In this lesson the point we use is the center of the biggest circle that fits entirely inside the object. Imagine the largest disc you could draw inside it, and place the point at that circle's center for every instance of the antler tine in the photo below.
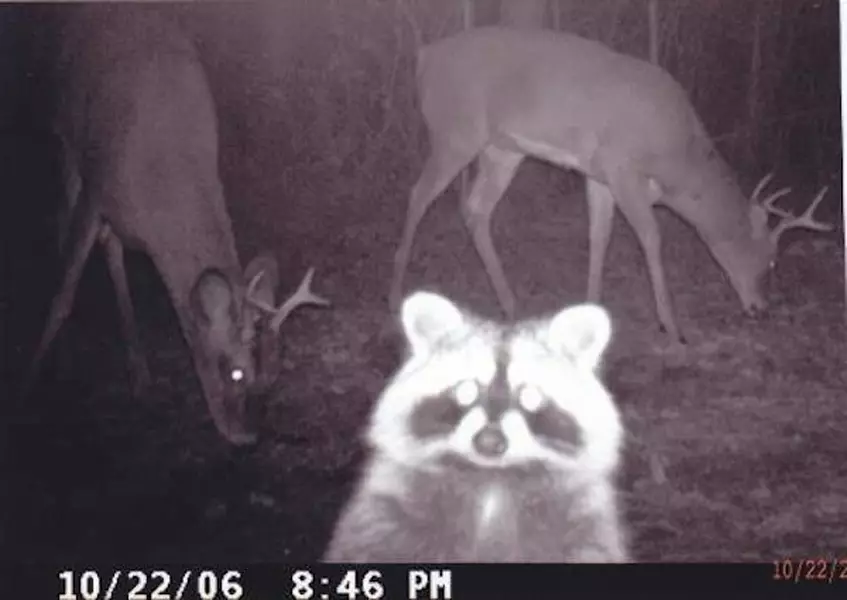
(303, 295)
(760, 186)
(768, 203)
(251, 287)
(250, 296)
(805, 220)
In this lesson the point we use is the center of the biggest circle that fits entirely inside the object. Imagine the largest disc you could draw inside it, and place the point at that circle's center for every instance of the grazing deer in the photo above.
(499, 95)
(139, 135)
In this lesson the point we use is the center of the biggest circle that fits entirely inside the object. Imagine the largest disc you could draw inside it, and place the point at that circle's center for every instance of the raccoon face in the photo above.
(484, 395)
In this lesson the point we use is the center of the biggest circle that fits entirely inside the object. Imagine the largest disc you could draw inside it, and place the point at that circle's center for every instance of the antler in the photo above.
(805, 220)
(789, 220)
(768, 202)
(303, 295)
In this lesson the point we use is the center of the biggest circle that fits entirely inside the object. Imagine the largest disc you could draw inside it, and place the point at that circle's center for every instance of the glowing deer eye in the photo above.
(466, 393)
(237, 375)
(531, 399)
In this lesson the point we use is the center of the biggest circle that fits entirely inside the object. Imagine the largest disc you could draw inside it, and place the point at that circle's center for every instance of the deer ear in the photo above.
(581, 333)
(266, 267)
(211, 300)
(427, 318)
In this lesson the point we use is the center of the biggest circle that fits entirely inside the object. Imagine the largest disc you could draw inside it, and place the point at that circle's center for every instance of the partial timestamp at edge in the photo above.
(152, 584)
(821, 570)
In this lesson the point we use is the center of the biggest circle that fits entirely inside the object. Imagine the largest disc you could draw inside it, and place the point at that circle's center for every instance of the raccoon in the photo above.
(493, 443)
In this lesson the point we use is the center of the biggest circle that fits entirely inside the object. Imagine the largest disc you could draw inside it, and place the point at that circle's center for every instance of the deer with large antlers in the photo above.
(498, 95)
(139, 133)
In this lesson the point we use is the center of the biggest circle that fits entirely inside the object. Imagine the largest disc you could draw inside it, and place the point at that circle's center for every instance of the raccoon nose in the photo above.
(490, 441)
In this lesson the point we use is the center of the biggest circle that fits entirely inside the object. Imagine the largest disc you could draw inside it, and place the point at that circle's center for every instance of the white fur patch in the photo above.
(467, 392)
(556, 155)
(462, 438)
(531, 398)
(582, 332)
(427, 318)
(490, 505)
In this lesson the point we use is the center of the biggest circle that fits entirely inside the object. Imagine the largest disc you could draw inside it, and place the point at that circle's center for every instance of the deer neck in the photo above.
(706, 194)
(198, 241)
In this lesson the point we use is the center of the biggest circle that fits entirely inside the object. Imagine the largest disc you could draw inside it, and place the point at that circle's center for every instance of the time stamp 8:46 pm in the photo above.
(431, 584)
(303, 584)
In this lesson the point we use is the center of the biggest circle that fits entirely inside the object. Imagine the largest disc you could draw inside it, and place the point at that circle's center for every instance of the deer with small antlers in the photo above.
(139, 136)
(498, 95)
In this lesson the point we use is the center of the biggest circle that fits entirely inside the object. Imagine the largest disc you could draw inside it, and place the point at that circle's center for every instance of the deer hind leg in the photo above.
(495, 170)
(76, 256)
(139, 370)
(441, 167)
(601, 216)
(634, 200)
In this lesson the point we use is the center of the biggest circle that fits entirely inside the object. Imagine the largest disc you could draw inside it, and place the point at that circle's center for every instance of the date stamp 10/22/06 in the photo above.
(822, 570)
(230, 584)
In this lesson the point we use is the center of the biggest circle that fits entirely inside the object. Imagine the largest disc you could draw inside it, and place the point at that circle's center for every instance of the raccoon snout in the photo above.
(490, 441)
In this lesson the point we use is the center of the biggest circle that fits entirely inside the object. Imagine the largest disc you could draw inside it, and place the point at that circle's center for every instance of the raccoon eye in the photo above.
(531, 399)
(466, 393)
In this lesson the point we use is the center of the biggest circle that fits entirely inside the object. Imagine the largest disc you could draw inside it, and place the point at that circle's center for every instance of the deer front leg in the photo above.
(633, 198)
(441, 167)
(82, 237)
(139, 370)
(495, 169)
(601, 216)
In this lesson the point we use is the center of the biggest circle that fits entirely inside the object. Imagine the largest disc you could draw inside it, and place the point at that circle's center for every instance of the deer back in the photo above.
(579, 103)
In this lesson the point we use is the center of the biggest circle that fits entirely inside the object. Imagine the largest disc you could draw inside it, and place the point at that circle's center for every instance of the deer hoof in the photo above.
(236, 432)
(242, 438)
(678, 338)
(755, 312)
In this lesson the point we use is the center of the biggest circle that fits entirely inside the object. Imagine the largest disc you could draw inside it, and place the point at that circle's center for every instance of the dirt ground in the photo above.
(736, 448)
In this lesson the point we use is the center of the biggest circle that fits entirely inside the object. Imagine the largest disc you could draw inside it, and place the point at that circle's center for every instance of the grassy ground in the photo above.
(735, 448)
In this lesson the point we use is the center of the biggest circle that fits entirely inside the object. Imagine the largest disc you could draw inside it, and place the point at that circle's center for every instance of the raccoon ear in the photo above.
(582, 332)
(427, 318)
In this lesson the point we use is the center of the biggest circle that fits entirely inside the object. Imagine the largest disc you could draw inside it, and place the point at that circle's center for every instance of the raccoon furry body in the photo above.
(491, 444)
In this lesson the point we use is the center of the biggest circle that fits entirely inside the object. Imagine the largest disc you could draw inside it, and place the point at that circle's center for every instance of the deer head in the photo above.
(239, 346)
(753, 265)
